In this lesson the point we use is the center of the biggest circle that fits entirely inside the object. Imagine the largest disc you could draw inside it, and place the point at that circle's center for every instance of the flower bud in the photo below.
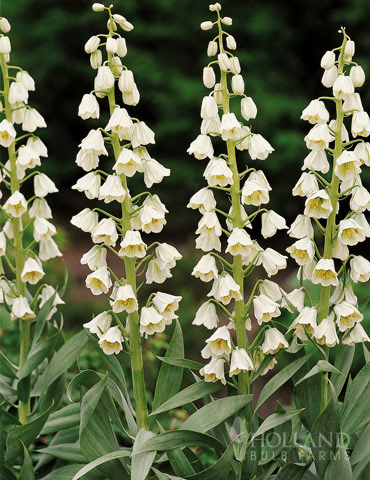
(209, 77)
(89, 107)
(237, 84)
(248, 108)
(224, 62)
(97, 7)
(230, 42)
(126, 82)
(349, 50)
(4, 25)
(206, 25)
(92, 44)
(357, 75)
(227, 21)
(111, 24)
(104, 80)
(216, 7)
(218, 94)
(328, 60)
(5, 47)
(96, 59)
(329, 77)
(343, 87)
(212, 48)
(26, 79)
(123, 23)
(121, 47)
(111, 45)
(235, 65)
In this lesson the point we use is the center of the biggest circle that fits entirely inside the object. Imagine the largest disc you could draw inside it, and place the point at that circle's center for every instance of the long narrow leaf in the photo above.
(215, 413)
(99, 461)
(280, 379)
(189, 394)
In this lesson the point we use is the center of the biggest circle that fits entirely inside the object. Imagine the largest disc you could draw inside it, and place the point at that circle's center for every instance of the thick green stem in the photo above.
(24, 325)
(330, 231)
(237, 266)
(137, 366)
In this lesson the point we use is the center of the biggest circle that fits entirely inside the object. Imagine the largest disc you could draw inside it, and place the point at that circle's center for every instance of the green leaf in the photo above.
(362, 470)
(114, 368)
(124, 404)
(180, 438)
(65, 451)
(35, 357)
(90, 401)
(220, 470)
(343, 362)
(67, 472)
(355, 412)
(63, 359)
(164, 476)
(180, 462)
(273, 421)
(170, 377)
(70, 435)
(27, 469)
(141, 462)
(292, 471)
(215, 413)
(181, 362)
(306, 397)
(339, 467)
(66, 417)
(24, 434)
(361, 450)
(279, 379)
(189, 394)
(6, 367)
(324, 434)
(37, 354)
(99, 461)
(366, 353)
(97, 439)
(41, 319)
(321, 366)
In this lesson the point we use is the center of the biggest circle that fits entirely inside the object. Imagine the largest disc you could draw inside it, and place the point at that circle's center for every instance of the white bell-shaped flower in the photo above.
(206, 315)
(324, 273)
(99, 281)
(112, 341)
(95, 258)
(99, 324)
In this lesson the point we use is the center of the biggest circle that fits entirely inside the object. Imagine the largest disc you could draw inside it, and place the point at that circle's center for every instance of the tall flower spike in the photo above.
(340, 160)
(124, 142)
(222, 173)
(23, 292)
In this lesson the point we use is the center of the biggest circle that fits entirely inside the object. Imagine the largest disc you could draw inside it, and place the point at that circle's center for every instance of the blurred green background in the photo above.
(280, 44)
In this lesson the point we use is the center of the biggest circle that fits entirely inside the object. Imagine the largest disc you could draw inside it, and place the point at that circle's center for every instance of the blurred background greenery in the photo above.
(280, 44)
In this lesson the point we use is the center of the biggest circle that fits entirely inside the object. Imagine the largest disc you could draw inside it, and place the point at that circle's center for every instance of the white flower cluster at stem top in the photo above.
(144, 213)
(21, 261)
(331, 174)
(221, 174)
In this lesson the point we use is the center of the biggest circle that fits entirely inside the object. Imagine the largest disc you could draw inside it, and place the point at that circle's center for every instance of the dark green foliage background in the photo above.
(280, 44)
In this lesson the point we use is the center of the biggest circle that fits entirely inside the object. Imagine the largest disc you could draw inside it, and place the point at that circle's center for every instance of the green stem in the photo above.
(237, 266)
(330, 231)
(137, 366)
(24, 325)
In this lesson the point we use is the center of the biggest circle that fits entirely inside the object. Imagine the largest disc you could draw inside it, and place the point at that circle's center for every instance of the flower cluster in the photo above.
(26, 236)
(143, 213)
(331, 175)
(221, 174)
